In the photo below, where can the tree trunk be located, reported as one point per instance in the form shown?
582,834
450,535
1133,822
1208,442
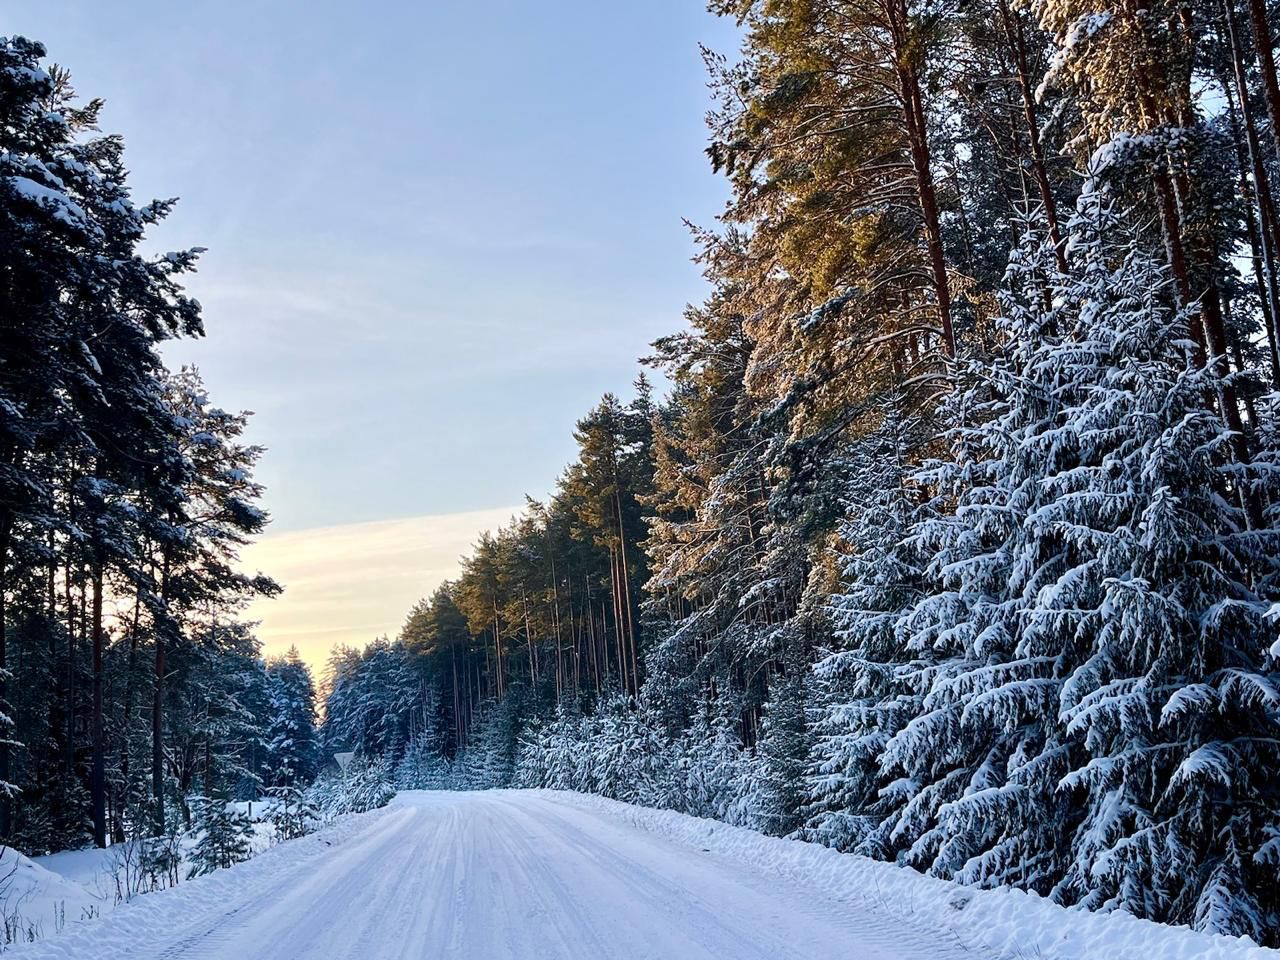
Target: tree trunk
619,636
918,141
626,593
117,821
460,696
157,735
98,782
1266,67
555,620
1018,46
528,635
497,650
6,813
1262,234
157,713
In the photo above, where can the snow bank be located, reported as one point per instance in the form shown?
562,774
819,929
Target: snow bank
41,895
36,901
151,915
1005,923
87,867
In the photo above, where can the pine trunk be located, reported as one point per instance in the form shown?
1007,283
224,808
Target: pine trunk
1263,235
1266,67
1018,47
98,781
918,142
6,813
157,715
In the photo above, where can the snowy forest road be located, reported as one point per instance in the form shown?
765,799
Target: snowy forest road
503,874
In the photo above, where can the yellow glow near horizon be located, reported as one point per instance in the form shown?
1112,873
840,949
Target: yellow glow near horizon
352,583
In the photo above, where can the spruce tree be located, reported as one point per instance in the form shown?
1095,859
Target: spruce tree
224,837
290,736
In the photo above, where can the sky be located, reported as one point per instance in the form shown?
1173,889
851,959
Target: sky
437,231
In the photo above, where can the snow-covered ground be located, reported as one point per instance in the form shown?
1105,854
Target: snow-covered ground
39,896
541,874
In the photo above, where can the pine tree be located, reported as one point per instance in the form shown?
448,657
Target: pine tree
224,836
293,814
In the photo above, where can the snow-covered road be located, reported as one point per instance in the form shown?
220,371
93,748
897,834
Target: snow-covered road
540,875
489,876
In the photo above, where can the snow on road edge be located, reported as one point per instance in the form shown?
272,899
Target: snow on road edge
148,917
1004,923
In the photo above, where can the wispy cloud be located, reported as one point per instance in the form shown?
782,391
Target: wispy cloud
352,583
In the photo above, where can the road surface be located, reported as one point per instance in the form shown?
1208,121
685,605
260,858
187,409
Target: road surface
490,876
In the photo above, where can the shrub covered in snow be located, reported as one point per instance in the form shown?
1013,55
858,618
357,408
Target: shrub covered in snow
365,785
292,814
224,836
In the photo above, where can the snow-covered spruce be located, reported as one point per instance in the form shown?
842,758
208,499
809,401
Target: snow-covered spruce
1097,706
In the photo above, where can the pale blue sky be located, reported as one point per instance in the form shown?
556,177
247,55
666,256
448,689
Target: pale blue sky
437,230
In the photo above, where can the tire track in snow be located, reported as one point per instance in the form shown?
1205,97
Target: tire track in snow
722,909
288,926
504,875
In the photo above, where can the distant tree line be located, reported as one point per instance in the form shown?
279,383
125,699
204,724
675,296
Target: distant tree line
955,540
